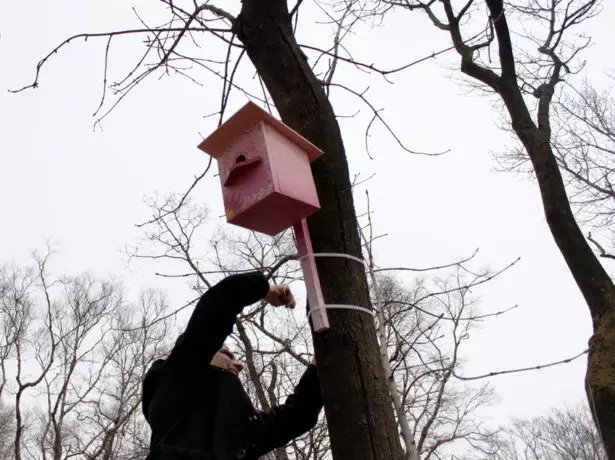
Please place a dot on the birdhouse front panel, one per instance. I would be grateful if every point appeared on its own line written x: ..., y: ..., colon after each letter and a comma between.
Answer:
x: 245, y: 173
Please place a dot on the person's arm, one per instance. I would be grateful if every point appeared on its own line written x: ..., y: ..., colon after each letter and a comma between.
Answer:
x: 296, y: 416
x: 214, y: 317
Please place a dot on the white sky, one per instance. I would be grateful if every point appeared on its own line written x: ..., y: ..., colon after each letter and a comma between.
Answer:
x: 83, y: 189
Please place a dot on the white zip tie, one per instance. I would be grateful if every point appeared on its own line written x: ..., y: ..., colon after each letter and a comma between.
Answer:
x: 337, y: 306
x: 331, y: 254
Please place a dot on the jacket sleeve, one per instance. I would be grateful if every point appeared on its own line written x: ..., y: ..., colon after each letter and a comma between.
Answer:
x: 213, y: 318
x: 296, y: 416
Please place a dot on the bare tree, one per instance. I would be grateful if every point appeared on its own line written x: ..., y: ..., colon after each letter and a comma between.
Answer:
x: 442, y: 409
x: 79, y: 354
x: 7, y: 416
x: 136, y: 337
x: 583, y: 142
x: 424, y: 331
x: 81, y: 318
x: 585, y: 148
x: 567, y: 434
x: 421, y: 332
x: 264, y: 32
x: 266, y: 35
x: 31, y: 332
x: 415, y: 327
x: 517, y: 74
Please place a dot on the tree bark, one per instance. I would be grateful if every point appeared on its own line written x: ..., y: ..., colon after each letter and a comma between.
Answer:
x: 358, y: 409
x: 589, y: 274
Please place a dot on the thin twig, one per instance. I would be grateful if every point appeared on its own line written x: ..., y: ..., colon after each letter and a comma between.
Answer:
x: 104, y: 92
x: 523, y: 369
x: 372, y: 66
x: 162, y: 318
x: 600, y: 248
x: 427, y: 269
x: 377, y: 116
x: 87, y: 36
x: 182, y: 200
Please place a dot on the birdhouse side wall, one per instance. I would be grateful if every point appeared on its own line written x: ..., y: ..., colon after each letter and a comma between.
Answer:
x: 290, y: 168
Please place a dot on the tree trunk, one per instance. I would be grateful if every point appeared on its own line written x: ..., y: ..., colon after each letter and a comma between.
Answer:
x: 589, y: 274
x: 593, y: 281
x: 600, y: 379
x: 18, y: 423
x: 358, y: 409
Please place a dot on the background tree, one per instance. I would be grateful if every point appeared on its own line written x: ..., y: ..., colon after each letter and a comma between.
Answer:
x: 421, y: 331
x: 266, y: 33
x: 536, y: 72
x: 583, y: 143
x: 562, y: 434
x: 585, y: 148
x: 421, y: 328
x: 7, y: 416
x: 78, y: 356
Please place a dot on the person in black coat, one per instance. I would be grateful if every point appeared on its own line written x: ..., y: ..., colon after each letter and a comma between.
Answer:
x: 195, y: 403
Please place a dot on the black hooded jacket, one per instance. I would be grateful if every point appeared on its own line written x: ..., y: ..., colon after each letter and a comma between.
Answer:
x: 197, y: 411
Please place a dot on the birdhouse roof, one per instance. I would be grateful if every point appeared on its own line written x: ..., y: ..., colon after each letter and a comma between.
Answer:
x: 248, y: 115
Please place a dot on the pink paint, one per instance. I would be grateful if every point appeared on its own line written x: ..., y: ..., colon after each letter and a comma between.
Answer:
x: 265, y: 172
x: 267, y: 184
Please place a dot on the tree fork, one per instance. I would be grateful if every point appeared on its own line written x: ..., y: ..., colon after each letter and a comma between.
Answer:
x: 357, y: 405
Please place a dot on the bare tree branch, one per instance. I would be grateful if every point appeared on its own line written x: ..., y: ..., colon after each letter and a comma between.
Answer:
x: 524, y: 369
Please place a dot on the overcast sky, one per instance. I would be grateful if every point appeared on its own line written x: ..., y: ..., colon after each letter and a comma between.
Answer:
x: 83, y: 188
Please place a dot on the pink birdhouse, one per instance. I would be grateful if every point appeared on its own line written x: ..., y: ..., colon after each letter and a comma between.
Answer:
x: 264, y: 166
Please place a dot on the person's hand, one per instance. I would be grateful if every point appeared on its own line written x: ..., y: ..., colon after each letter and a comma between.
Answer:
x: 280, y: 294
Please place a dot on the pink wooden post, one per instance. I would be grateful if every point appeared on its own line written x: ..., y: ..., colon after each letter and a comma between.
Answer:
x: 267, y: 185
x: 310, y: 276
